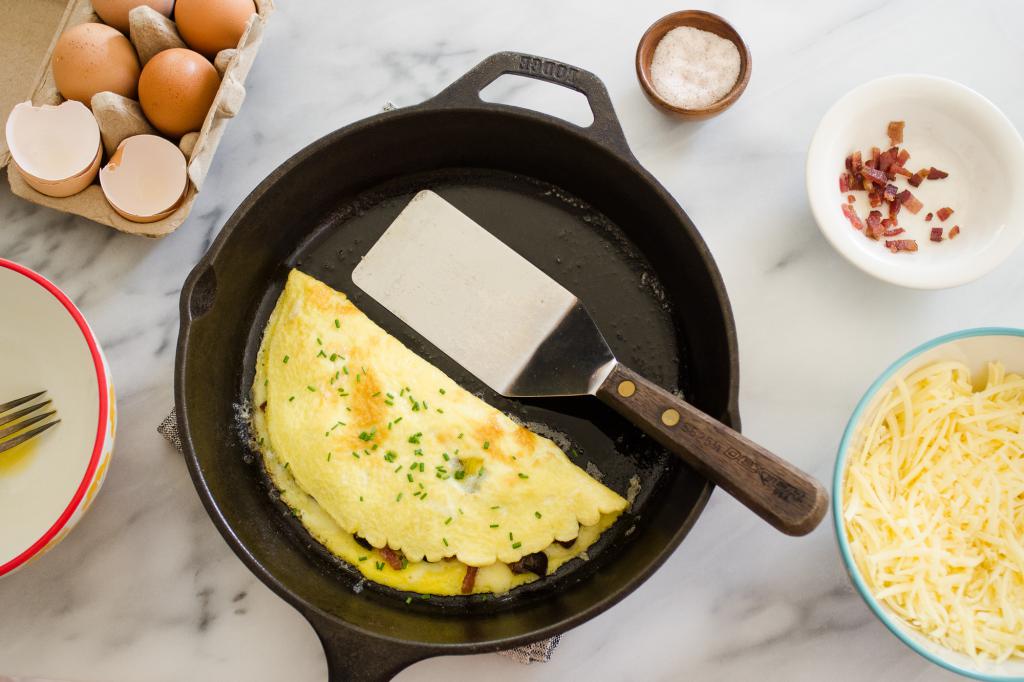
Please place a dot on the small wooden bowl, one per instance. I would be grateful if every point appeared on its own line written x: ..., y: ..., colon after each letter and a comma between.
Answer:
x: 705, y: 21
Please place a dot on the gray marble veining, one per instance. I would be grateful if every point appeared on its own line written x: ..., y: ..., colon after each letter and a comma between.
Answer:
x: 145, y: 589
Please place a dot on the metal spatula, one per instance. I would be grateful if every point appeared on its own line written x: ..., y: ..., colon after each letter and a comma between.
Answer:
x: 523, y: 334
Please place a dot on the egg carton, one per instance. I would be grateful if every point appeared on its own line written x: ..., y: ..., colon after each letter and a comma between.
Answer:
x: 26, y: 46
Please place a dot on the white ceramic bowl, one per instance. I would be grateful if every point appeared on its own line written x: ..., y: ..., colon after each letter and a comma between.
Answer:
x: 975, y: 348
x: 948, y: 126
x: 47, y: 484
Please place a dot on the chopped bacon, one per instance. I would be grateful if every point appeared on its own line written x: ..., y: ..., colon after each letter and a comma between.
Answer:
x: 889, y: 193
x: 897, y: 169
x: 875, y: 175
x: 894, y: 209
x: 875, y: 228
x: 893, y: 232
x: 885, y: 161
x: 935, y: 174
x: 856, y: 162
x: 844, y: 182
x: 850, y: 198
x: 912, y: 203
x: 469, y: 580
x: 393, y: 558
x: 897, y: 245
x: 954, y: 231
x: 928, y: 217
x: 944, y: 212
x: 851, y: 215
x: 896, y: 132
x: 874, y: 199
x: 875, y: 153
x: 936, y: 235
x: 917, y: 178
x: 903, y: 157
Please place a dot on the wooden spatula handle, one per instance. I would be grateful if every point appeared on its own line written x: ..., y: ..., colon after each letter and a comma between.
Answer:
x: 776, y: 490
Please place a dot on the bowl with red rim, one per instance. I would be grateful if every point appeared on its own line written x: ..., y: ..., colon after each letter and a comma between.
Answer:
x: 48, y: 483
x: 947, y: 126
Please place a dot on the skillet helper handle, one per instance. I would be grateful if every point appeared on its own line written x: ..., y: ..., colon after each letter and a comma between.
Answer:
x: 605, y: 129
x: 358, y: 658
x: 774, y: 489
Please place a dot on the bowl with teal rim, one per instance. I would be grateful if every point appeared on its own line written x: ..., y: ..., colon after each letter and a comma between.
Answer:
x: 975, y: 348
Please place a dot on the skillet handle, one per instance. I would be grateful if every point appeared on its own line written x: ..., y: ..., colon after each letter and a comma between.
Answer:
x: 464, y: 92
x: 352, y: 657
x: 774, y: 489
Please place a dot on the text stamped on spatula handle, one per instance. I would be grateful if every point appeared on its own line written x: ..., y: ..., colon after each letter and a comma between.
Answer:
x: 776, y: 490
x: 780, y: 487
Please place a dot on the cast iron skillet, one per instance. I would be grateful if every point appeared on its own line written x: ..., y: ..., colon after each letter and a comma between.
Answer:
x: 577, y: 204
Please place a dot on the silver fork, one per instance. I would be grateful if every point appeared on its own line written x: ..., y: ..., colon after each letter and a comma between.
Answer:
x: 12, y: 426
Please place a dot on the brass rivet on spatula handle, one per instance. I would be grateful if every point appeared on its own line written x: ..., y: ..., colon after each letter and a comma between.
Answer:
x: 670, y: 417
x: 627, y: 388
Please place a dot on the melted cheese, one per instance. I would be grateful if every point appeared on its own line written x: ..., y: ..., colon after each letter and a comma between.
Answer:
x: 933, y: 507
x: 361, y: 436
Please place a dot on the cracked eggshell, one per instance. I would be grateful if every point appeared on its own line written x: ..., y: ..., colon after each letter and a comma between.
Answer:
x: 55, y: 148
x: 146, y: 178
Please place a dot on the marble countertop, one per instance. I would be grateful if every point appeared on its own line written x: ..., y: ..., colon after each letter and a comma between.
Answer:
x: 145, y: 589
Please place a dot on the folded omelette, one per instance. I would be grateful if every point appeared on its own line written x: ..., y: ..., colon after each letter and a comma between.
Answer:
x: 397, y: 470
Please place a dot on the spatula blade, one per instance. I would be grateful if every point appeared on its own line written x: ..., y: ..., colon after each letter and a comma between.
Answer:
x: 482, y: 304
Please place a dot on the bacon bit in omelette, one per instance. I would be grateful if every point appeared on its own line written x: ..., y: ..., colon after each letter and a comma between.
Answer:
x: 897, y: 245
x: 531, y: 563
x: 954, y: 231
x: 469, y: 580
x: 393, y: 558
x: 895, y: 131
x: 936, y: 235
x: 944, y: 212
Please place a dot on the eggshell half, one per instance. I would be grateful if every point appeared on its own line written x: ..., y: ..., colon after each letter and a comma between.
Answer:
x: 56, y: 148
x: 145, y: 180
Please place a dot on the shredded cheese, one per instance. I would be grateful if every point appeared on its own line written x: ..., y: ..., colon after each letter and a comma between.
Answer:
x: 933, y: 507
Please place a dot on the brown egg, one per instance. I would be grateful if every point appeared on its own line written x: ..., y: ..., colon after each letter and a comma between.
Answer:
x: 176, y: 90
x: 91, y: 58
x: 209, y: 26
x: 115, y: 12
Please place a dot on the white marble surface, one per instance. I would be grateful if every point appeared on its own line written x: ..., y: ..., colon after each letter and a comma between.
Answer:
x: 145, y: 589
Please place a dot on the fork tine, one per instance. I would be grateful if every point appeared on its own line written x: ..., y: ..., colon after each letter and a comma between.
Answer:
x: 21, y: 413
x: 24, y: 424
x: 20, y: 401
x: 28, y: 435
